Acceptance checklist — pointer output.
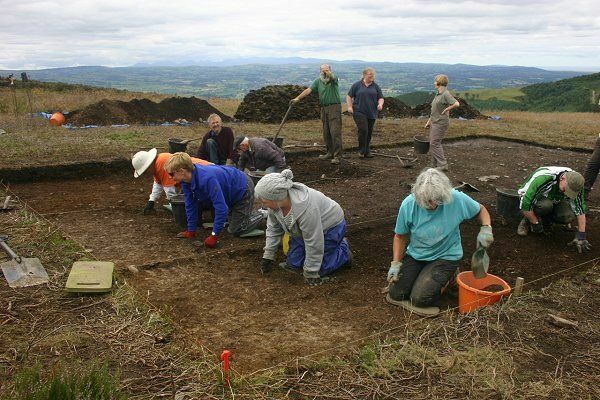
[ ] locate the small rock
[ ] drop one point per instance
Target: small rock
(121, 201)
(2, 132)
(89, 250)
(318, 374)
(133, 269)
(323, 176)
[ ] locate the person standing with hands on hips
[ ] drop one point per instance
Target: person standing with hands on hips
(364, 100)
(438, 121)
(327, 85)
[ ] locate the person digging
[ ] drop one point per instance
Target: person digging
(554, 195)
(260, 153)
(229, 190)
(427, 245)
(314, 222)
(154, 163)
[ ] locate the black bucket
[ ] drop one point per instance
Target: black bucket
(508, 203)
(278, 141)
(177, 145)
(178, 208)
(421, 144)
(256, 176)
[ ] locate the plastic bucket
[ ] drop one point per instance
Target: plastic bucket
(278, 141)
(178, 208)
(421, 144)
(176, 145)
(471, 295)
(57, 119)
(508, 203)
(256, 176)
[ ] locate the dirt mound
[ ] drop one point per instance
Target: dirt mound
(143, 111)
(465, 110)
(394, 108)
(269, 104)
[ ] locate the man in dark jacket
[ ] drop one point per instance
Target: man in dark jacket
(260, 153)
(217, 144)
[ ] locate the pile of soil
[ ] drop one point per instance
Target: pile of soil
(144, 111)
(394, 108)
(465, 110)
(269, 104)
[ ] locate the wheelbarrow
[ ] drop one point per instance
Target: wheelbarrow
(22, 272)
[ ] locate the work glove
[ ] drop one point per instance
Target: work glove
(149, 207)
(187, 234)
(294, 101)
(485, 237)
(537, 228)
(394, 271)
(581, 243)
(316, 281)
(266, 265)
(211, 241)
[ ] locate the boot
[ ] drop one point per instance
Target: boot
(523, 228)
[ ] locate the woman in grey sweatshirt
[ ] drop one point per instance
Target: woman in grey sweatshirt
(315, 223)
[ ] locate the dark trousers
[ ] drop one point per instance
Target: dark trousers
(331, 117)
(422, 281)
(241, 218)
(592, 168)
(549, 212)
(213, 152)
(364, 127)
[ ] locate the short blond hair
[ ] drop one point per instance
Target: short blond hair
(178, 161)
(213, 116)
(369, 69)
(442, 80)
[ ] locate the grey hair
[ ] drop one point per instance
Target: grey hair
(213, 116)
(432, 186)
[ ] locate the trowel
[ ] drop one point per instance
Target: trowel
(22, 272)
(6, 206)
(480, 262)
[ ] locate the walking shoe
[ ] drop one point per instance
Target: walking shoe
(443, 167)
(369, 155)
(523, 228)
(325, 156)
(335, 160)
(284, 265)
(348, 264)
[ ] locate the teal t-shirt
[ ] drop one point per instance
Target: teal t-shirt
(435, 234)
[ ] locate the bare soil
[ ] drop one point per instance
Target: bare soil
(218, 298)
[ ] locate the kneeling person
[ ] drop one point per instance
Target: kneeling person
(229, 190)
(315, 223)
(553, 195)
(427, 245)
(260, 153)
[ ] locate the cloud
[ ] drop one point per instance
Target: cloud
(50, 33)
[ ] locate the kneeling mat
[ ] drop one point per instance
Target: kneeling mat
(253, 233)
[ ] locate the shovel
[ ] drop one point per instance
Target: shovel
(282, 122)
(22, 272)
(480, 262)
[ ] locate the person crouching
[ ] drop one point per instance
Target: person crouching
(315, 223)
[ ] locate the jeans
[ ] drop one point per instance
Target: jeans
(241, 218)
(336, 250)
(364, 128)
(592, 168)
(422, 281)
(331, 117)
(213, 152)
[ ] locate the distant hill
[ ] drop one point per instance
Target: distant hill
(579, 94)
(237, 80)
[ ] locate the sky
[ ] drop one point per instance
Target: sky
(553, 33)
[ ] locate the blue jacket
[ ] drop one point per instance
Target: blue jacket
(222, 186)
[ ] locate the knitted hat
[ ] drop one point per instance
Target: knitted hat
(575, 183)
(274, 186)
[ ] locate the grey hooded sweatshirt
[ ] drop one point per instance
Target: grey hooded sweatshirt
(313, 214)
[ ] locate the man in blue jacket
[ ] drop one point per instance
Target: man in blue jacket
(229, 190)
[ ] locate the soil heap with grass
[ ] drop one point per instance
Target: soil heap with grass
(465, 110)
(270, 103)
(144, 111)
(394, 108)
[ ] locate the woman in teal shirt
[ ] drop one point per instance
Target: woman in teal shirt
(427, 245)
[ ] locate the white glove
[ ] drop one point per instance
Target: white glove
(394, 271)
(485, 237)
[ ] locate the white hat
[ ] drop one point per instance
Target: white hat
(142, 160)
(274, 186)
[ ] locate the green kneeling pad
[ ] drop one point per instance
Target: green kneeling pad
(253, 233)
(407, 305)
(168, 207)
(90, 277)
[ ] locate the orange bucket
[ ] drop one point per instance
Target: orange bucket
(57, 119)
(471, 295)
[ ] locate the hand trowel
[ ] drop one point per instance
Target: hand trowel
(480, 262)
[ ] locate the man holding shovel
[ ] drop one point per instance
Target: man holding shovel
(150, 161)
(331, 111)
(554, 195)
(217, 144)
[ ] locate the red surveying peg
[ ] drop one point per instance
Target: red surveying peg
(225, 358)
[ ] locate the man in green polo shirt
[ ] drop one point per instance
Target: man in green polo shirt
(331, 111)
